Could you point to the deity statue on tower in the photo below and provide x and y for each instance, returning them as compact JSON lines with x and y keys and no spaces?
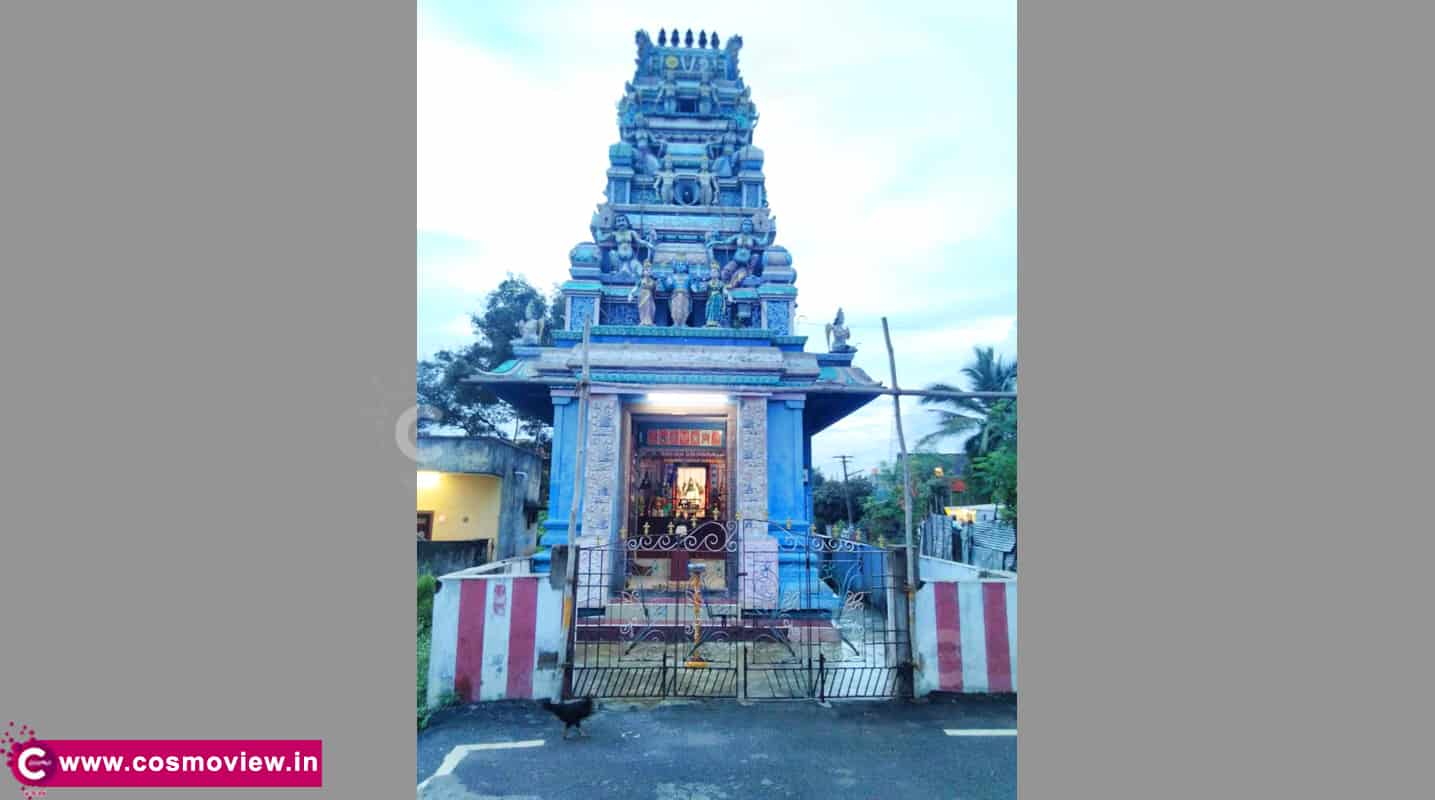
{"x":745,"y":115}
{"x":680,"y":303}
{"x":648,"y":147}
{"x":664,"y":181}
{"x":837,"y":335}
{"x":707,"y":183}
{"x":530,"y":330}
{"x":623,"y":258}
{"x":717,"y":298}
{"x":645,"y":291}
{"x":723,"y":150}
{"x":628,"y":107}
{"x":668,"y":93}
{"x":744,"y":257}
{"x":705,"y":91}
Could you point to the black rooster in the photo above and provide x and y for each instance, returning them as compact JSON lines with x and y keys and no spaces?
{"x":572,"y":713}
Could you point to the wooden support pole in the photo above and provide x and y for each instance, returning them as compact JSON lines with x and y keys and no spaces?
{"x":907,"y":499}
{"x":901,"y":443}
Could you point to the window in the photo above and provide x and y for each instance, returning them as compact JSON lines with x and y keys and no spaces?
{"x":426,"y":525}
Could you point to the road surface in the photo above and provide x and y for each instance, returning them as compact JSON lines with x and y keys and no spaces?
{"x":955,"y":747}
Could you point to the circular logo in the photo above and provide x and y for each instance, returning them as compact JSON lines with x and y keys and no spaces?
{"x":671,"y":62}
{"x":34,"y":763}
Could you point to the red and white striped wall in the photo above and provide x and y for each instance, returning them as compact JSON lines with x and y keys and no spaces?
{"x":966,"y":637}
{"x":495,"y":638}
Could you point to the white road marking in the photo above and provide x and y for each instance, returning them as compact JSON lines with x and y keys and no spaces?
{"x":979,"y":731}
{"x":455,"y":756}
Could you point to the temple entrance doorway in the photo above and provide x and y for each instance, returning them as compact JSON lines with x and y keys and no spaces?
{"x":683,"y":603}
{"x":678,"y":498}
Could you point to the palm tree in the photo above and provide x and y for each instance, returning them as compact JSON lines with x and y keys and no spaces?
{"x":986,"y":373}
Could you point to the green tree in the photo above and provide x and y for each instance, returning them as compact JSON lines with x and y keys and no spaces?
{"x":882,"y":518}
{"x":475,"y":409}
{"x":996,"y":470}
{"x":829,"y":504}
{"x":882,"y":511}
{"x":961,"y":416}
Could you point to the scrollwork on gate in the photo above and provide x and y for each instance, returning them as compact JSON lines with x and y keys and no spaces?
{"x":798,"y":615}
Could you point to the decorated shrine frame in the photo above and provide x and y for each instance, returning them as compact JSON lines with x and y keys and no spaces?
{"x":657,"y":448}
{"x":656,"y":443}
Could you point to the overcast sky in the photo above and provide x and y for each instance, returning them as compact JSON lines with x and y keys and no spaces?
{"x":890,"y":140}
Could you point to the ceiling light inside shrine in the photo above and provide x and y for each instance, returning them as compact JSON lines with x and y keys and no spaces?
{"x":687,"y":399}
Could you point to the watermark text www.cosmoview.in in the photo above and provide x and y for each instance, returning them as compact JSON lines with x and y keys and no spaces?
{"x":153,"y":763}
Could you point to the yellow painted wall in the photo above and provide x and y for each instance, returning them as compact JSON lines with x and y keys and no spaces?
{"x":458,"y":496}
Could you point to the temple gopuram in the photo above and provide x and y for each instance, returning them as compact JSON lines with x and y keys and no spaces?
{"x":704,"y":399}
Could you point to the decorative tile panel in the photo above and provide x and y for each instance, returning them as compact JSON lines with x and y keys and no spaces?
{"x":579,"y":309}
{"x":752,"y":463}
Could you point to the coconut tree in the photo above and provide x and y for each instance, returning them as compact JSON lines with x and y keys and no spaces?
{"x":957,"y":416}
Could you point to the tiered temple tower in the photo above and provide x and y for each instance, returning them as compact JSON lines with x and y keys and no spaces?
{"x":704,"y":400}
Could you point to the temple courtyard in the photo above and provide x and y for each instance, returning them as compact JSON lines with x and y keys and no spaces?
{"x":952,"y":746}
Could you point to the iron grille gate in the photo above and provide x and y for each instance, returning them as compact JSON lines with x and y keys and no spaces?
{"x":812,"y":617}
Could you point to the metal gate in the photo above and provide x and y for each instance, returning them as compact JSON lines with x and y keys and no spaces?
{"x":792,"y":616}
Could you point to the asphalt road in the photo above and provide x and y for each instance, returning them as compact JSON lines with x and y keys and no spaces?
{"x":720,"y":750}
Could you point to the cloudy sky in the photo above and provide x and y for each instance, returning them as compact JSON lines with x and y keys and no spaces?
{"x":890,"y":135}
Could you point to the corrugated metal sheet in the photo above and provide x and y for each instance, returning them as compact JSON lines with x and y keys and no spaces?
{"x":993,"y":536}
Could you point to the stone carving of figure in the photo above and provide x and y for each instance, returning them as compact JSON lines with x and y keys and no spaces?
{"x":722,"y":150}
{"x":645,"y":292}
{"x":628,"y":106}
{"x":680,"y":303}
{"x":667,"y":93}
{"x":717,"y":297}
{"x":665,"y":180}
{"x":603,"y":219}
{"x":623,"y":258}
{"x":530,"y":330}
{"x":837,"y":335}
{"x":705,"y":92}
{"x":707,"y":183}
{"x":745,"y":115}
{"x":730,"y":138}
{"x":744,"y":257}
{"x":648,"y":147}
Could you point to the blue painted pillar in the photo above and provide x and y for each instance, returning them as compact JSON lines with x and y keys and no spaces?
{"x":786,"y":489}
{"x":560,"y":479}
{"x":788,"y":455}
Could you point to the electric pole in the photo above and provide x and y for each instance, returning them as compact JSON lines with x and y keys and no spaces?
{"x":846,"y":495}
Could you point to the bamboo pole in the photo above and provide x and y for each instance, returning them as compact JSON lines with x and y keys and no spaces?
{"x":902,"y":444}
{"x":906,"y":498}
